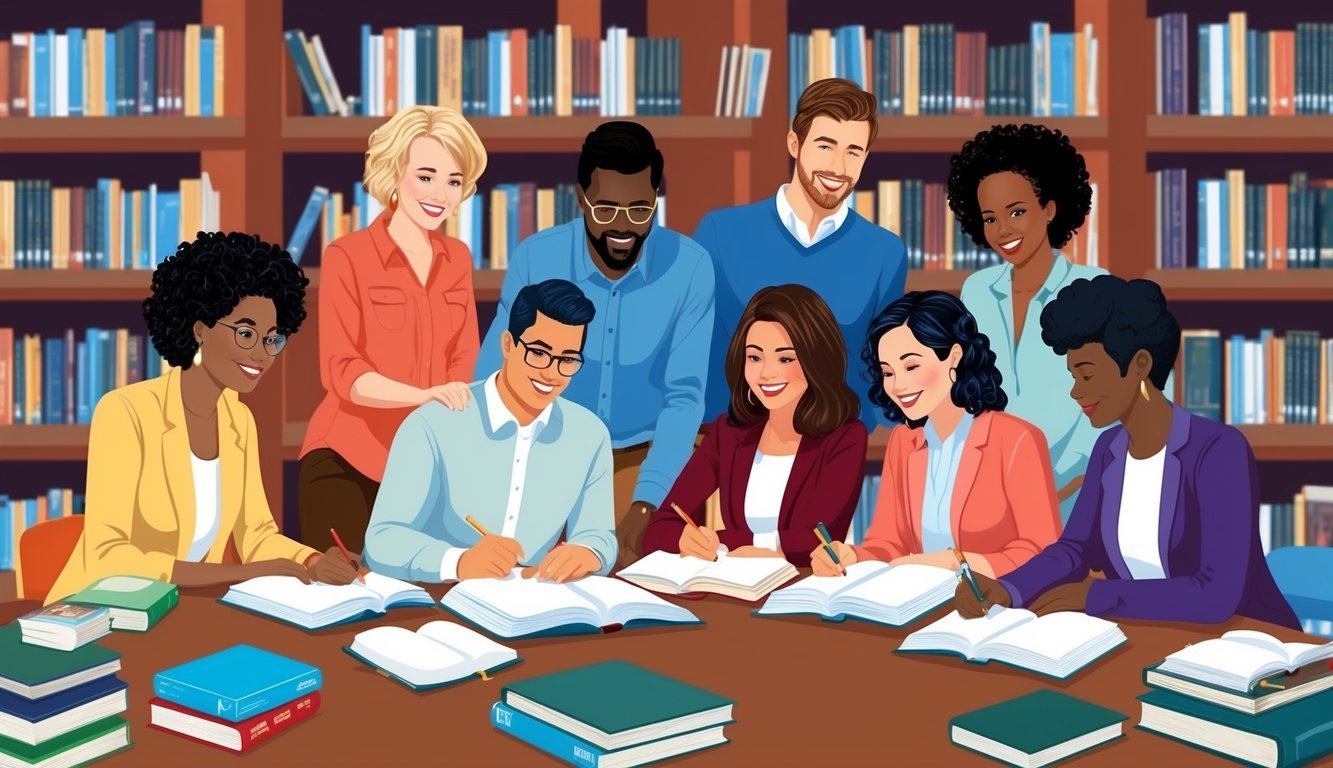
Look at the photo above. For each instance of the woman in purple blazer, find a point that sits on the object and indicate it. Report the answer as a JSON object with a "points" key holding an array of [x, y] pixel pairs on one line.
{"points": [[1169, 509], [791, 451]]}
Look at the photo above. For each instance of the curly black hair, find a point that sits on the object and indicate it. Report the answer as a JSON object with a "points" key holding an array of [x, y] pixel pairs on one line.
{"points": [[1123, 316], [938, 320], [1042, 156], [205, 279]]}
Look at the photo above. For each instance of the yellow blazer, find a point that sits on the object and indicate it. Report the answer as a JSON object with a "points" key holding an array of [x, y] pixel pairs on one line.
{"points": [[139, 511]]}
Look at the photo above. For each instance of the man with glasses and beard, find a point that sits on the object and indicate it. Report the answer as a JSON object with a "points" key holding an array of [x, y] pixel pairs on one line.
{"points": [[809, 234], [646, 357]]}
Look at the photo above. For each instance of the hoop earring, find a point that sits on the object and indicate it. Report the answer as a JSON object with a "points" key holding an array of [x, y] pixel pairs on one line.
{"points": [[393, 201], [749, 395], [1143, 389], [198, 358], [953, 375]]}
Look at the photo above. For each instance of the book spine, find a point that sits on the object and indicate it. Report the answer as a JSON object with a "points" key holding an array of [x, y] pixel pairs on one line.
{"points": [[547, 738], [268, 725], [233, 709]]}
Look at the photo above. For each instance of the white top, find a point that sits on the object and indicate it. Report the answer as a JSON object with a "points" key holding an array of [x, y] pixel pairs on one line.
{"points": [[763, 496], [1140, 512], [800, 230], [499, 417], [207, 504]]}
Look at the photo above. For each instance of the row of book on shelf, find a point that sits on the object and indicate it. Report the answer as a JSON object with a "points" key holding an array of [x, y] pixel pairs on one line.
{"points": [[742, 81], [1243, 71], [58, 380], [1305, 522], [932, 69], [509, 72], [1273, 379], [102, 227], [135, 70], [1244, 226], [18, 515]]}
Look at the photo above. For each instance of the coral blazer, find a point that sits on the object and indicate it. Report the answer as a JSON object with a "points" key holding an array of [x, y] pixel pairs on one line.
{"points": [[1003, 506], [139, 517]]}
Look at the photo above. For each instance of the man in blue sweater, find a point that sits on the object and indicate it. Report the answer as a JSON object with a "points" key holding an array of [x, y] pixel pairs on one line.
{"points": [[809, 235]]}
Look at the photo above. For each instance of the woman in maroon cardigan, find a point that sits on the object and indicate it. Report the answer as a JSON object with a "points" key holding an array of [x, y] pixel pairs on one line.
{"points": [[791, 451]]}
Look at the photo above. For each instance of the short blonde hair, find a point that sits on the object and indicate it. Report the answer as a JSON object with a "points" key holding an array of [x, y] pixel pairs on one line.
{"points": [[386, 157]]}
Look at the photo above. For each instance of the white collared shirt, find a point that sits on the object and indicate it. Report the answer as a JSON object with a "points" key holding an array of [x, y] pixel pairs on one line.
{"points": [[800, 230], [1140, 515]]}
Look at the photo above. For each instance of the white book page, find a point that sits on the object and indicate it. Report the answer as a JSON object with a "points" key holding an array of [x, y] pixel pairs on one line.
{"points": [[1054, 636], [1291, 654], [520, 598], [747, 572], [831, 586], [900, 586], [1226, 655], [481, 651], [313, 598], [619, 601], [390, 589], [973, 633], [411, 656], [666, 566]]}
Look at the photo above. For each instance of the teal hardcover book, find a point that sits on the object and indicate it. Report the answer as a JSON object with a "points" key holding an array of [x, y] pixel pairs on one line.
{"points": [[574, 751], [33, 672], [1295, 734], [1036, 729]]}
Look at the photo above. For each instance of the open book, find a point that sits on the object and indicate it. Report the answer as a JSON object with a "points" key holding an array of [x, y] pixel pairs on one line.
{"points": [[1057, 644], [1239, 659], [519, 607], [872, 591], [318, 605], [744, 578], [438, 654]]}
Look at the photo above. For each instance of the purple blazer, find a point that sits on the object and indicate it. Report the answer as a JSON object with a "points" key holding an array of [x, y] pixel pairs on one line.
{"points": [[1207, 534]]}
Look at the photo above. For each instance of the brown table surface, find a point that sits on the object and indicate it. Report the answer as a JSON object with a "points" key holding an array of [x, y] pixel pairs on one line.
{"points": [[808, 693]]}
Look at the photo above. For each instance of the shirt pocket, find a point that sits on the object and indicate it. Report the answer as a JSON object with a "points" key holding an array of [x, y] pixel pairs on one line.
{"points": [[389, 306], [456, 302]]}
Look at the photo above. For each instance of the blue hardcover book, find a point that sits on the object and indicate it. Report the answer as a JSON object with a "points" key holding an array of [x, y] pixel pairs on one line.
{"points": [[1062, 74], [84, 413], [109, 103], [168, 226], [94, 379], [305, 226], [237, 683], [43, 48], [1227, 88], [53, 380], [575, 751], [1038, 105], [305, 72], [74, 35], [495, 64], [55, 504], [363, 107], [6, 534], [29, 513], [1205, 90], [34, 711], [1224, 194], [102, 256], [147, 68], [1294, 734], [207, 56]]}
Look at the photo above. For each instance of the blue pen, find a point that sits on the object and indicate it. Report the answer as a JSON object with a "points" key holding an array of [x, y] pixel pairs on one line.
{"points": [[966, 571], [827, 541]]}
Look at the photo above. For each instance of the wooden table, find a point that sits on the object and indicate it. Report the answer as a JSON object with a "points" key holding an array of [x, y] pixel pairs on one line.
{"points": [[808, 693]]}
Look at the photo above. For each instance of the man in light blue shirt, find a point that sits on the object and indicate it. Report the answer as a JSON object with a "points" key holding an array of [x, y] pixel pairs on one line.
{"points": [[648, 346], [524, 463]]}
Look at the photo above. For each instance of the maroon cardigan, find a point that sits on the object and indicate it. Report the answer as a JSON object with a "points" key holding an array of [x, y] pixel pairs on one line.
{"points": [[824, 486]]}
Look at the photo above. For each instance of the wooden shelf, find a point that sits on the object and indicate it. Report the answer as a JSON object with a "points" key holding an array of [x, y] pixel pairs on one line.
{"points": [[1194, 133], [1244, 284], [47, 442], [508, 134], [121, 134], [946, 133], [75, 285]]}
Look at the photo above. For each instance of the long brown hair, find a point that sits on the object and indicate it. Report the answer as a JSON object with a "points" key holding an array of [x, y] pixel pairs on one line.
{"points": [[828, 403]]}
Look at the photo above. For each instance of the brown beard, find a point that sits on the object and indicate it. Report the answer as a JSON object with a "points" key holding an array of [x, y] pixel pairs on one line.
{"points": [[820, 196]]}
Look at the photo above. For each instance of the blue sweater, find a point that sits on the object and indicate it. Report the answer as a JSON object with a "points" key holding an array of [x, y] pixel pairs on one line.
{"points": [[858, 270]]}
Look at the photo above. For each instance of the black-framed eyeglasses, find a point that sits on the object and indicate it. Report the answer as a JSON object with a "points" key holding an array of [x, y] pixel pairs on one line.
{"points": [[605, 214], [247, 337], [541, 360]]}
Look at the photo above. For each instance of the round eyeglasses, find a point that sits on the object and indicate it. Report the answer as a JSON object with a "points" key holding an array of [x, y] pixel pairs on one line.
{"points": [[247, 337], [540, 359], [605, 214]]}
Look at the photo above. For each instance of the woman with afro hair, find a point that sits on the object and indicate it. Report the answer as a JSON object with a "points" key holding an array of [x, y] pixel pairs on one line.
{"points": [[173, 462], [1023, 191]]}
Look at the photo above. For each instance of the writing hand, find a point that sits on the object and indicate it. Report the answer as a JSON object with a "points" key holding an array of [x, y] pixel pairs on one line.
{"points": [[992, 591], [823, 565], [491, 558], [700, 542]]}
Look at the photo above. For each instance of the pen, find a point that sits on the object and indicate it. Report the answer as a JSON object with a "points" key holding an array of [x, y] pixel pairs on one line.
{"points": [[965, 571], [688, 520], [822, 533], [343, 549], [478, 527]]}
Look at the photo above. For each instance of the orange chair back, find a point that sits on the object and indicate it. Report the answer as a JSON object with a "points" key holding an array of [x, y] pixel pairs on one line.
{"points": [[43, 551]]}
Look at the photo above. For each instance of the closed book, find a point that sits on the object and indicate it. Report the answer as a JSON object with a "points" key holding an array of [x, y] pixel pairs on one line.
{"points": [[575, 751], [77, 747], [305, 226], [136, 604], [33, 721], [235, 737], [64, 626], [616, 704], [1295, 734], [237, 683], [1036, 729], [33, 672]]}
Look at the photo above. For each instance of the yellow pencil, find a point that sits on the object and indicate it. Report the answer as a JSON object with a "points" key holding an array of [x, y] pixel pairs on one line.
{"points": [[477, 526]]}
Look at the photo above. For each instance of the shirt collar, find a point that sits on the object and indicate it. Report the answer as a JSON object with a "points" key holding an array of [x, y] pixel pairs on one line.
{"points": [[1004, 283], [499, 415], [789, 218], [958, 437], [585, 269], [387, 248]]}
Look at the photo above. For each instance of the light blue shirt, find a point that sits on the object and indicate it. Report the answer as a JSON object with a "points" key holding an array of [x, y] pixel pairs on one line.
{"points": [[445, 465], [646, 354], [942, 460]]}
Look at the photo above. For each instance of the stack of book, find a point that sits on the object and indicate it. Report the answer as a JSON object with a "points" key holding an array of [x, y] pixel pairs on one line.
{"points": [[588, 717], [1246, 696], [65, 626], [59, 707], [236, 698], [1269, 380]]}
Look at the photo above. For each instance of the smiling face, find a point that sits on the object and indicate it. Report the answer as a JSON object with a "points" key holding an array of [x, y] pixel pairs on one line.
{"points": [[914, 376], [1013, 220], [225, 359], [772, 371], [618, 242], [1099, 389], [537, 387], [829, 161], [432, 184]]}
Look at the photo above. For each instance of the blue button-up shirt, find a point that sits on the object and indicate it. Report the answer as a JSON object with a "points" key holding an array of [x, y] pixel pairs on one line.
{"points": [[647, 349], [942, 460]]}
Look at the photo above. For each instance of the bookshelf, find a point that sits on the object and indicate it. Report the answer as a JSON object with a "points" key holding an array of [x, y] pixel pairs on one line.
{"points": [[1284, 133], [121, 134]]}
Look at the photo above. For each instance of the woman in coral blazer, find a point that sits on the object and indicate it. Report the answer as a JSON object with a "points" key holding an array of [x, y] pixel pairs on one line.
{"points": [[173, 462], [791, 451], [960, 474]]}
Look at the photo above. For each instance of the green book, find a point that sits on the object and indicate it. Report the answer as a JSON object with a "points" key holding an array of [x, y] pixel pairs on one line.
{"points": [[77, 747], [1036, 729], [616, 704], [1294, 734], [32, 671], [136, 604]]}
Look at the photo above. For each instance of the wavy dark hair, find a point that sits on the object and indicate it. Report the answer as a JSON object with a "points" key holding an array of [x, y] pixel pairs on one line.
{"points": [[938, 320], [1042, 156], [828, 402], [1123, 316], [205, 279]]}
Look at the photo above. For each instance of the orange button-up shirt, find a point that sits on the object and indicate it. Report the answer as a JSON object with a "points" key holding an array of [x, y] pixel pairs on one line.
{"points": [[374, 315]]}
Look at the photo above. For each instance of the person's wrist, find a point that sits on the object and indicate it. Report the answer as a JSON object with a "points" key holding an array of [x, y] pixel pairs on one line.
{"points": [[643, 507]]}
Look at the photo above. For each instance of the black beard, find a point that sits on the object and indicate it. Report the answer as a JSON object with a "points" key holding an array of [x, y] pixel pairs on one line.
{"points": [[603, 249]]}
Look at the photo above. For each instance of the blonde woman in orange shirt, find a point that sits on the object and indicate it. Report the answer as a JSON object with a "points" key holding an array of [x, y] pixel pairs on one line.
{"points": [[397, 317]]}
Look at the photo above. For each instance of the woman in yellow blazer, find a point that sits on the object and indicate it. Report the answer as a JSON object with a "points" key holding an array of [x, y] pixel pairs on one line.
{"points": [[173, 462]]}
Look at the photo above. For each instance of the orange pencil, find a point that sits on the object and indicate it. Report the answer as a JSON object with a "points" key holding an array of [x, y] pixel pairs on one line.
{"points": [[346, 554], [688, 520]]}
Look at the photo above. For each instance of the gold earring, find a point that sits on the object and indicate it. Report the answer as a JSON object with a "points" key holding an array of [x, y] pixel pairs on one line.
{"points": [[393, 200], [198, 358], [1143, 389]]}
